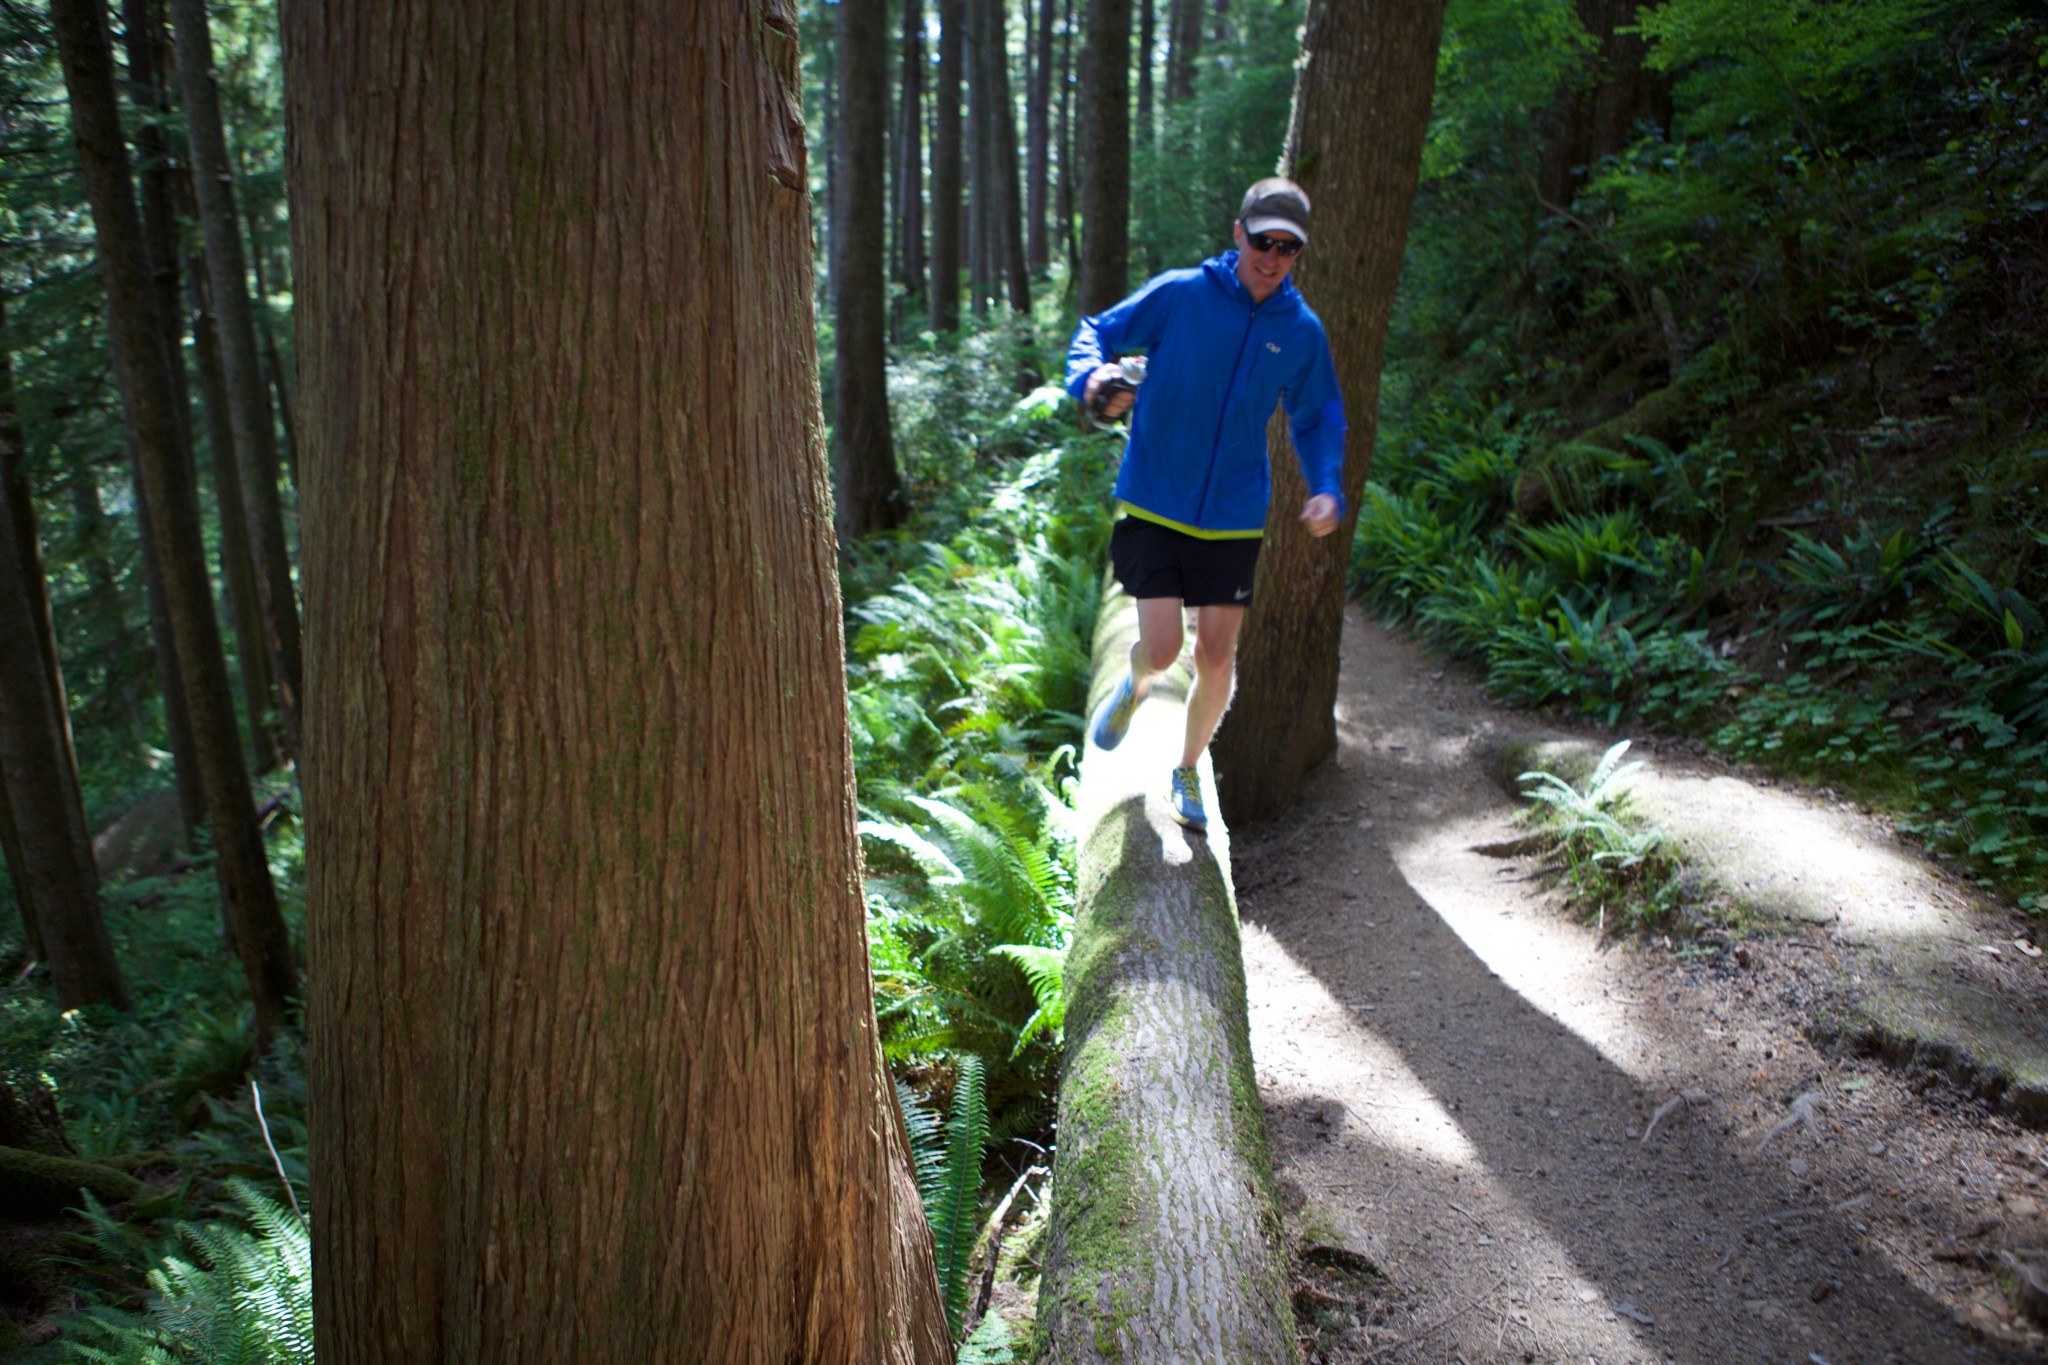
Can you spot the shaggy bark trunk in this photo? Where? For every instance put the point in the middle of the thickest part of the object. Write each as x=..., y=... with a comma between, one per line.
x=1361, y=108
x=249, y=902
x=227, y=273
x=864, y=451
x=1165, y=1243
x=36, y=762
x=1105, y=151
x=585, y=1088
x=946, y=160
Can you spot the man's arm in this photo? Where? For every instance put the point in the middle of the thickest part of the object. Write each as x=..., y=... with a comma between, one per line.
x=1132, y=325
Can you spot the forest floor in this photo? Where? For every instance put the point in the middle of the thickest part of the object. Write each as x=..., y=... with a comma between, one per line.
x=1459, y=1071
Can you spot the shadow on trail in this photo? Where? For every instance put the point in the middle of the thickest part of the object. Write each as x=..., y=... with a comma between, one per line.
x=1764, y=1267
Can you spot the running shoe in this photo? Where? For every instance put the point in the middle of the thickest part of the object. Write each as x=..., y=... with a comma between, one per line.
x=1113, y=717
x=1187, y=799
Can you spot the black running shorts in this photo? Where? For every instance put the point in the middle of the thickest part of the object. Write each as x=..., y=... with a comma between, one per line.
x=1157, y=561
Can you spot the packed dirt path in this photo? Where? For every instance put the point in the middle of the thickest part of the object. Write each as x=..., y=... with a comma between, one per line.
x=1458, y=1077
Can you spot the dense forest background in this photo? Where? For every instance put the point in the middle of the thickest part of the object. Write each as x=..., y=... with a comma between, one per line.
x=1713, y=403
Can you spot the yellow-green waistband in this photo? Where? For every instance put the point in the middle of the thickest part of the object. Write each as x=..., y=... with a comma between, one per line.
x=1124, y=509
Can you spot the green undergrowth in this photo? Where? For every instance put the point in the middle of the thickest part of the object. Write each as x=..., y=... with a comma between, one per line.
x=1745, y=442
x=1620, y=870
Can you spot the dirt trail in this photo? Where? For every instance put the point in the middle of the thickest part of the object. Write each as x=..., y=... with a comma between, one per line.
x=1458, y=1077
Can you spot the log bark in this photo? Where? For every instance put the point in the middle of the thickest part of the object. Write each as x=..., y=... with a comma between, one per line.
x=584, y=1087
x=1355, y=145
x=248, y=898
x=255, y=458
x=1166, y=1242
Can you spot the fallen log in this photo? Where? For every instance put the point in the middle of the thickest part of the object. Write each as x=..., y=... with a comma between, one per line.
x=1165, y=1241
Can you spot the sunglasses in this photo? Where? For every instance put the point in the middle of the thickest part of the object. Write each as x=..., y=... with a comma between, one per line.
x=1262, y=243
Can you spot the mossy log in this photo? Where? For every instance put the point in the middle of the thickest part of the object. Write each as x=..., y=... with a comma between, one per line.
x=1165, y=1240
x=38, y=1185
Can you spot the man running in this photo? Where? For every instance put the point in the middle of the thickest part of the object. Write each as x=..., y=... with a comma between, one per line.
x=1224, y=341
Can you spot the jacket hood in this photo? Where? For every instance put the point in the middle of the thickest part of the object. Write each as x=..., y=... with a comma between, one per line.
x=1223, y=271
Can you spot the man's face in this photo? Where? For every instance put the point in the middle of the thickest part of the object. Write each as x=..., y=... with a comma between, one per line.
x=1263, y=271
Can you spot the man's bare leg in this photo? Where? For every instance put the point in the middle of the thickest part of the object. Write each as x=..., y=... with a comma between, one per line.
x=1215, y=675
x=1158, y=642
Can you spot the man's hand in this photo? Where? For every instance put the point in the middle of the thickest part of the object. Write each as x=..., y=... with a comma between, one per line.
x=1319, y=513
x=1119, y=403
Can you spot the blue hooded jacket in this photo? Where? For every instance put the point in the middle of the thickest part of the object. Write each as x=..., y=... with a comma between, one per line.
x=1216, y=365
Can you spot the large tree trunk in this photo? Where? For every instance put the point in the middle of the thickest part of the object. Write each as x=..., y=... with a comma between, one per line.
x=585, y=1087
x=255, y=458
x=62, y=886
x=910, y=260
x=1063, y=213
x=1361, y=108
x=1038, y=142
x=946, y=158
x=1597, y=116
x=1165, y=1243
x=863, y=450
x=1105, y=154
x=249, y=901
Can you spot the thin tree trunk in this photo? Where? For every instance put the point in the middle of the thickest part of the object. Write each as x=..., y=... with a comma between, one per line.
x=1069, y=175
x=1597, y=115
x=237, y=569
x=186, y=766
x=946, y=158
x=1105, y=151
x=864, y=451
x=41, y=773
x=248, y=899
x=273, y=360
x=584, y=1088
x=910, y=258
x=1361, y=109
x=146, y=44
x=980, y=170
x=1001, y=217
x=17, y=498
x=1038, y=143
x=248, y=401
x=1146, y=39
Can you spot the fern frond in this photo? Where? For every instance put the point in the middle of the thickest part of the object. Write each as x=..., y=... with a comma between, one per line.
x=952, y=1217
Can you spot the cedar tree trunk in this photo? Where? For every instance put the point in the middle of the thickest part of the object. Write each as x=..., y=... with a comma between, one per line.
x=1361, y=107
x=1598, y=115
x=1105, y=154
x=863, y=451
x=1038, y=142
x=248, y=900
x=910, y=261
x=595, y=1068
